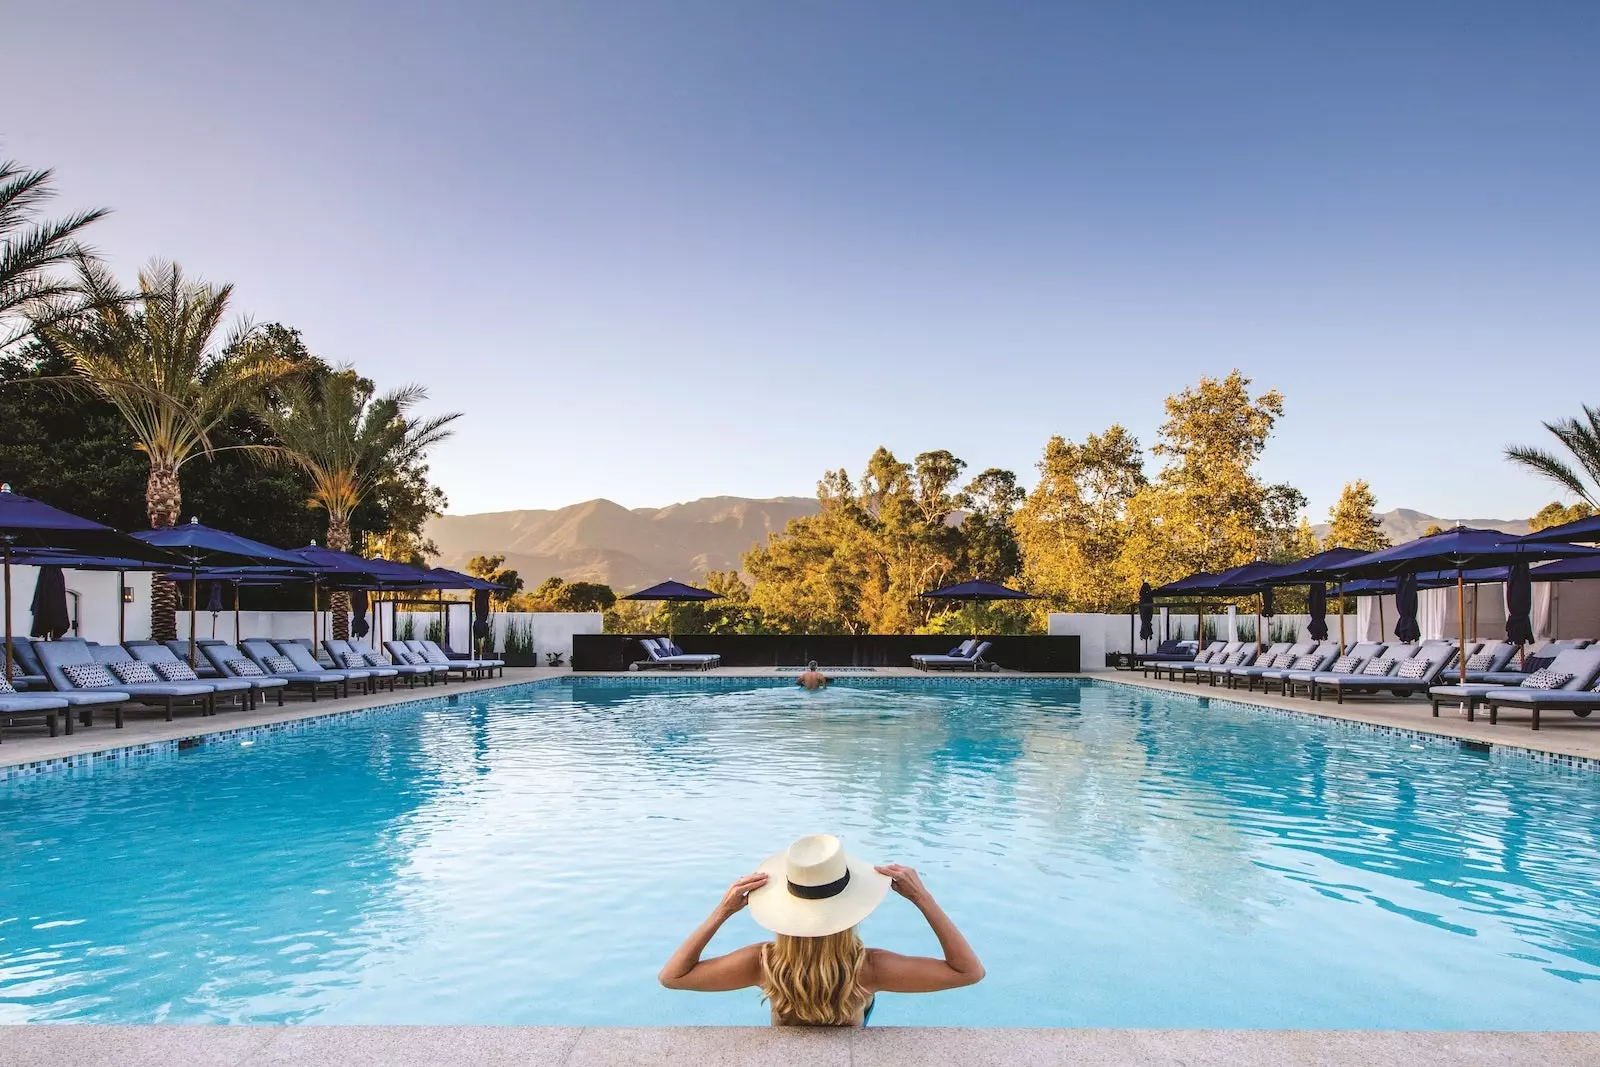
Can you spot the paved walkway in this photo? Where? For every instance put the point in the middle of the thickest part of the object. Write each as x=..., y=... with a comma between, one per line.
x=450, y=1046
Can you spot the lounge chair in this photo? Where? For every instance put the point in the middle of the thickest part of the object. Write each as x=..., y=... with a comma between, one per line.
x=476, y=668
x=43, y=707
x=347, y=654
x=305, y=662
x=1171, y=651
x=1201, y=655
x=427, y=672
x=1217, y=670
x=1353, y=660
x=1281, y=657
x=1433, y=658
x=25, y=662
x=1319, y=659
x=347, y=658
x=1470, y=695
x=111, y=655
x=963, y=650
x=1182, y=672
x=661, y=657
x=81, y=701
x=229, y=660
x=1576, y=695
x=247, y=689
x=973, y=662
x=56, y=656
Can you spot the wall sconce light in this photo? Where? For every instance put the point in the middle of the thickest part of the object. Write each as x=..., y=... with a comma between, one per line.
x=127, y=594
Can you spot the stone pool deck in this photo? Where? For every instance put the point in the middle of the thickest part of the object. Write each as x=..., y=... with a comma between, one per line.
x=459, y=1046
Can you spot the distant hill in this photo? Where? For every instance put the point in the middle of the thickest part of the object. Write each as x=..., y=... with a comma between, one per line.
x=1403, y=524
x=601, y=541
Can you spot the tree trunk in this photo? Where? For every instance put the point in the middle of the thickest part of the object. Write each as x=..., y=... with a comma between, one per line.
x=163, y=500
x=339, y=602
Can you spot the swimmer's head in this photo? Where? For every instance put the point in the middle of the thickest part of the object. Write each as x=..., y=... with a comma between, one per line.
x=811, y=666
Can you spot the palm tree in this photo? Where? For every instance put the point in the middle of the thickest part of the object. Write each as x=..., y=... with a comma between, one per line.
x=158, y=360
x=1581, y=438
x=30, y=251
x=350, y=443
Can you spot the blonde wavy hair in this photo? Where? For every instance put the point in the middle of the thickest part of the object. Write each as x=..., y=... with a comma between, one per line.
x=815, y=981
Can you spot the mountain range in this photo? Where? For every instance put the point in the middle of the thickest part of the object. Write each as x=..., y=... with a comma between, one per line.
x=629, y=548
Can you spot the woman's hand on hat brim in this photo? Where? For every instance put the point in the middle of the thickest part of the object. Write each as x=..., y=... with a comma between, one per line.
x=738, y=894
x=905, y=881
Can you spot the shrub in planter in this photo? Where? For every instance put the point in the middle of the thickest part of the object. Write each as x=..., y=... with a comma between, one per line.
x=519, y=650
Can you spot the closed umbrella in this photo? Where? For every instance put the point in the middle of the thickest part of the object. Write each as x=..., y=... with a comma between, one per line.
x=480, y=617
x=1405, y=608
x=214, y=605
x=1519, y=605
x=1147, y=614
x=51, y=619
x=1317, y=606
x=358, y=609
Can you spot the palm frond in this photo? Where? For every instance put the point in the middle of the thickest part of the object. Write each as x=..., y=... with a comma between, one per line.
x=1551, y=467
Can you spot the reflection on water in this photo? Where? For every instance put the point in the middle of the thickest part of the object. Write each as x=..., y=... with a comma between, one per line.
x=1118, y=857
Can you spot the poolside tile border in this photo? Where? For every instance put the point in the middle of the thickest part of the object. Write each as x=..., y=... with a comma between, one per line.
x=87, y=762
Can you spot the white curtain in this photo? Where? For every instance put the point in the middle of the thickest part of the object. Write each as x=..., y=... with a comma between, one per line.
x=1542, y=628
x=1432, y=607
x=1367, y=629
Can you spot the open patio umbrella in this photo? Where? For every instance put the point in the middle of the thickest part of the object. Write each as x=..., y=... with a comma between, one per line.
x=30, y=524
x=1585, y=530
x=1459, y=550
x=51, y=618
x=672, y=592
x=206, y=546
x=975, y=591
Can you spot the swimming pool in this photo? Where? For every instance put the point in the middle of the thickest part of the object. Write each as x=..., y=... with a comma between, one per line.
x=1117, y=856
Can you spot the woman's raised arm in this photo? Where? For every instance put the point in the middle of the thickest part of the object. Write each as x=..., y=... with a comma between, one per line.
x=894, y=973
x=736, y=970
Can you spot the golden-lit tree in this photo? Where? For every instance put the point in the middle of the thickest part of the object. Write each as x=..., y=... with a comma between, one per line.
x=1353, y=520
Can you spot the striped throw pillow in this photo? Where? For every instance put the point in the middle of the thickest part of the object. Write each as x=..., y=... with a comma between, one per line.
x=1204, y=657
x=88, y=676
x=1282, y=659
x=1344, y=665
x=1546, y=679
x=1414, y=668
x=134, y=673
x=353, y=659
x=372, y=659
x=244, y=668
x=1306, y=663
x=1380, y=666
x=279, y=664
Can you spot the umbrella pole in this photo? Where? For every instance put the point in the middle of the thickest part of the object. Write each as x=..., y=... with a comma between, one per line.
x=1461, y=612
x=8, y=611
x=236, y=612
x=194, y=584
x=1381, y=630
x=122, y=608
x=1341, y=618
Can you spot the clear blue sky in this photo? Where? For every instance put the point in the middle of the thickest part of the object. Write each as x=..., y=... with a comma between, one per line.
x=658, y=251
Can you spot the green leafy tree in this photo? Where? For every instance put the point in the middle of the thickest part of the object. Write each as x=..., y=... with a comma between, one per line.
x=32, y=288
x=490, y=569
x=1578, y=472
x=989, y=548
x=1207, y=508
x=584, y=596
x=350, y=442
x=1353, y=520
x=1557, y=514
x=1072, y=528
x=159, y=361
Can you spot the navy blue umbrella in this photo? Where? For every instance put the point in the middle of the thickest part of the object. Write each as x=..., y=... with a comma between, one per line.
x=670, y=591
x=205, y=546
x=1460, y=550
x=30, y=524
x=974, y=591
x=51, y=618
x=1586, y=529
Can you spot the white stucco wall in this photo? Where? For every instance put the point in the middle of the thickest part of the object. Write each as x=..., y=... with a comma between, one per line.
x=95, y=606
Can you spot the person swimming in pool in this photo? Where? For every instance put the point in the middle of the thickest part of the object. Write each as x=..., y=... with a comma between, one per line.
x=812, y=678
x=818, y=972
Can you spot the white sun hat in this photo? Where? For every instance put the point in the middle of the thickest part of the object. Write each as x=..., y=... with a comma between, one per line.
x=815, y=888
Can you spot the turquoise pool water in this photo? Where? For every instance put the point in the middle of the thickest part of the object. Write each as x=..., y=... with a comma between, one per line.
x=1118, y=857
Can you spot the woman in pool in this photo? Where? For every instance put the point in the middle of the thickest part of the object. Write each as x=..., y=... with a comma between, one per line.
x=817, y=972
